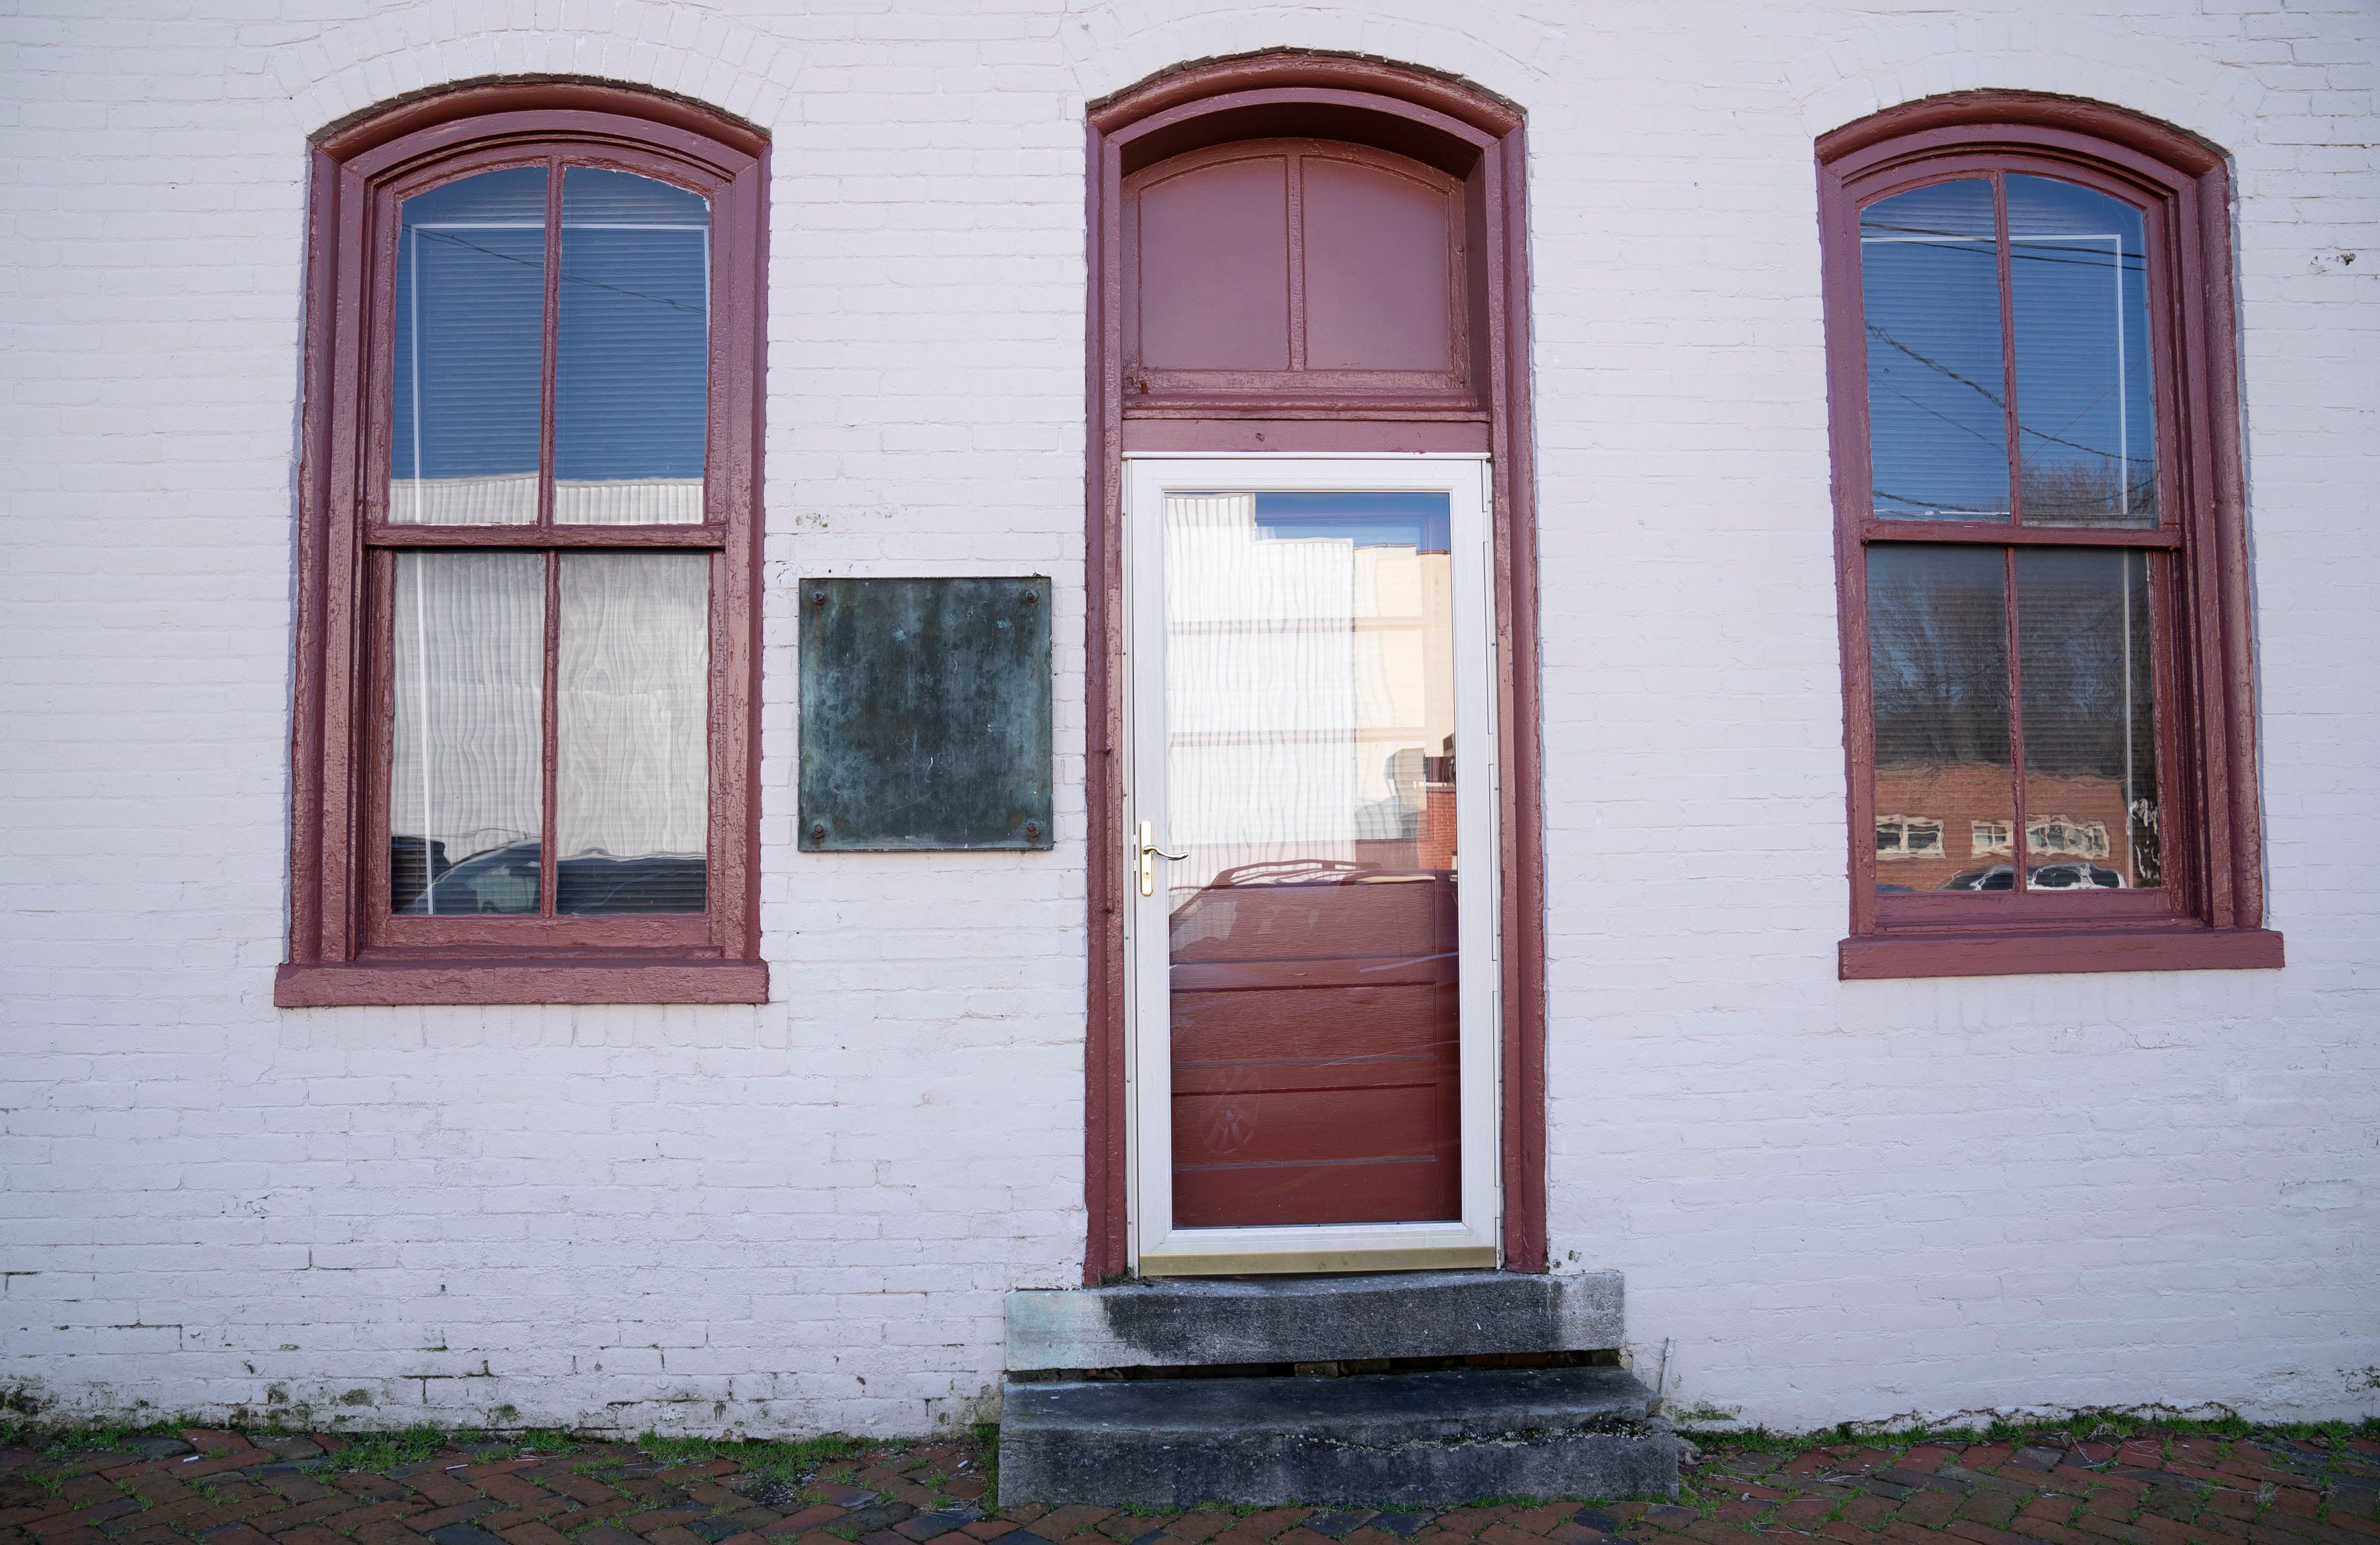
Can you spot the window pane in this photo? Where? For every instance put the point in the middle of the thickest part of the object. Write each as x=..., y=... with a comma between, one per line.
x=470, y=337
x=1310, y=778
x=1938, y=413
x=633, y=354
x=2086, y=428
x=2090, y=733
x=465, y=770
x=631, y=781
x=1937, y=660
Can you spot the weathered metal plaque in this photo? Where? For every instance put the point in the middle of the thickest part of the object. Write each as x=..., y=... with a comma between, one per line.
x=925, y=713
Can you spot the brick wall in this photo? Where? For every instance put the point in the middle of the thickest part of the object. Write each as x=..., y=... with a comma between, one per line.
x=1832, y=1202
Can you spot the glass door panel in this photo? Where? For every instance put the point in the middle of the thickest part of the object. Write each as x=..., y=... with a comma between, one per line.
x=1315, y=987
x=1309, y=699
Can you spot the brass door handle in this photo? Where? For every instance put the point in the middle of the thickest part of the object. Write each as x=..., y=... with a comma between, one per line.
x=1149, y=853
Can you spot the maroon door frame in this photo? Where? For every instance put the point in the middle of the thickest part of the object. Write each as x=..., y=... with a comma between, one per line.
x=1477, y=138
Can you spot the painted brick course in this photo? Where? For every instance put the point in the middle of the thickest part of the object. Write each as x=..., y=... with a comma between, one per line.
x=1832, y=1202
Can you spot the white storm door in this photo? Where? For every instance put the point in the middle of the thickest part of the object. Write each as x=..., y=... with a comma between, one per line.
x=1311, y=893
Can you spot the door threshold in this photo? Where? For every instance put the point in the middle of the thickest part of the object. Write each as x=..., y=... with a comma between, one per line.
x=1250, y=1263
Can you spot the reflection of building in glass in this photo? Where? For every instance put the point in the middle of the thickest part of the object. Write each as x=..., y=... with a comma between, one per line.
x=1968, y=822
x=1310, y=682
x=2044, y=834
x=1907, y=836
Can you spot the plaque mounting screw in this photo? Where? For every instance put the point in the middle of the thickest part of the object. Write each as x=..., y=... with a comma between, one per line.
x=1032, y=831
x=1032, y=598
x=818, y=598
x=817, y=831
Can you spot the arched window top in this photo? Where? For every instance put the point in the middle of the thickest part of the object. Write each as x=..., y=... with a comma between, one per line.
x=1306, y=233
x=1432, y=118
x=2060, y=127
x=489, y=115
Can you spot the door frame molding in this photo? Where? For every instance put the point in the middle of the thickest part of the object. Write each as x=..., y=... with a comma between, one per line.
x=1451, y=123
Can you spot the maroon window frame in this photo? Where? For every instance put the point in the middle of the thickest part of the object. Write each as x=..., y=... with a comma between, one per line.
x=2209, y=913
x=1479, y=141
x=345, y=946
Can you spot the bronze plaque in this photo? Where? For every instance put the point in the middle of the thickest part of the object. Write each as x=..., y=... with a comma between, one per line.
x=925, y=713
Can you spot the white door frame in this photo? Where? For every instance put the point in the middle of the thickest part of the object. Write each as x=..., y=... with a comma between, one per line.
x=1154, y=1246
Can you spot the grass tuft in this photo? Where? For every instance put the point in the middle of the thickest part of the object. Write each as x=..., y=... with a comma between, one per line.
x=386, y=1450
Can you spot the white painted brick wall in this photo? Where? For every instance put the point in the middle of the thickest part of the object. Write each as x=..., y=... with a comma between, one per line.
x=1832, y=1202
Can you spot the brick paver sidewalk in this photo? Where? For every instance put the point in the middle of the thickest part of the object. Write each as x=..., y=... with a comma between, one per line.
x=223, y=1489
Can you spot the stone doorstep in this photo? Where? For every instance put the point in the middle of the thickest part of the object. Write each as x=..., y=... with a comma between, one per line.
x=1415, y=1438
x=1186, y=1321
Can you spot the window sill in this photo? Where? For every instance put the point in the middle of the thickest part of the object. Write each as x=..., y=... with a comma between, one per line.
x=539, y=979
x=1977, y=953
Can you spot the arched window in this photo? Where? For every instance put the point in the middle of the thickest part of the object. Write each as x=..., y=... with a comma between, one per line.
x=527, y=647
x=2042, y=566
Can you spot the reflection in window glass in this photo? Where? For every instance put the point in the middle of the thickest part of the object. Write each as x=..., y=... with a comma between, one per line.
x=1310, y=778
x=1937, y=662
x=2088, y=693
x=632, y=769
x=1938, y=413
x=466, y=784
x=631, y=371
x=2087, y=425
x=469, y=345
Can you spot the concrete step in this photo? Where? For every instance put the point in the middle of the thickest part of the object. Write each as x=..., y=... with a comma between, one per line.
x=1180, y=1322
x=1412, y=1439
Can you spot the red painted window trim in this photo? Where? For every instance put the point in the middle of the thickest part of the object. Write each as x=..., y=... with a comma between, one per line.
x=1473, y=137
x=343, y=947
x=2211, y=912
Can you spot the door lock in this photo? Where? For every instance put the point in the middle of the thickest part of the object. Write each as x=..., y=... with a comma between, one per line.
x=1149, y=853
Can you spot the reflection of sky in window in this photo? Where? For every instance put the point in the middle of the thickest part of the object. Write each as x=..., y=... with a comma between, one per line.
x=1938, y=410
x=470, y=326
x=2079, y=279
x=1419, y=521
x=633, y=344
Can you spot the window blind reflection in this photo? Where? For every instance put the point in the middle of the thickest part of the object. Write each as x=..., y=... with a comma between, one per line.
x=2084, y=638
x=466, y=781
x=2078, y=277
x=1938, y=410
x=632, y=363
x=1937, y=663
x=631, y=781
x=469, y=352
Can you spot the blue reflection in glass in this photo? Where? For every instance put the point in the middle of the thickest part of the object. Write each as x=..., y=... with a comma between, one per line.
x=1419, y=521
x=1938, y=410
x=632, y=368
x=2085, y=415
x=470, y=341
